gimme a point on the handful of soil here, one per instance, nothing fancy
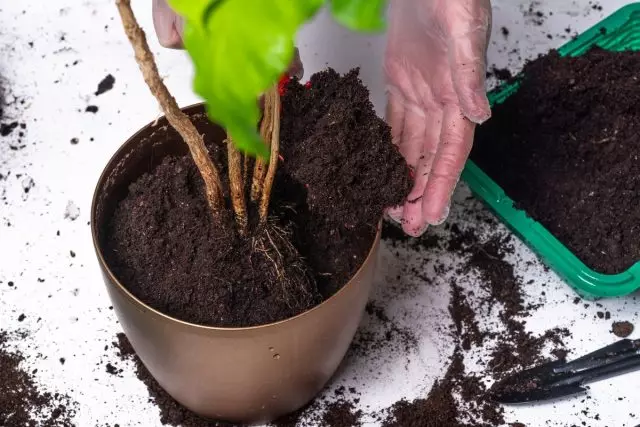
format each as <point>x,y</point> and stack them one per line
<point>565,148</point>
<point>338,171</point>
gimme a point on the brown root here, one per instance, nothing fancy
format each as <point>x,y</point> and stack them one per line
<point>274,96</point>
<point>246,167</point>
<point>266,132</point>
<point>236,186</point>
<point>175,116</point>
<point>290,275</point>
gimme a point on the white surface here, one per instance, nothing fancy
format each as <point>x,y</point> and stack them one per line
<point>68,313</point>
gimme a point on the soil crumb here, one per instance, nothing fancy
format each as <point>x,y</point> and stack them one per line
<point>22,402</point>
<point>338,171</point>
<point>564,148</point>
<point>105,85</point>
<point>7,128</point>
<point>502,73</point>
<point>622,329</point>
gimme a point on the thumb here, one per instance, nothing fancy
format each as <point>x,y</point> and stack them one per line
<point>168,25</point>
<point>468,31</point>
<point>296,68</point>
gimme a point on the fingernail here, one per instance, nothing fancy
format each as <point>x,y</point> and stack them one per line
<point>444,216</point>
<point>479,119</point>
<point>479,111</point>
<point>395,214</point>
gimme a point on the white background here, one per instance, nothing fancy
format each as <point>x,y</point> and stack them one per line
<point>67,314</point>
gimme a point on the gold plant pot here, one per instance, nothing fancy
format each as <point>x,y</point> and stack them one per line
<point>247,375</point>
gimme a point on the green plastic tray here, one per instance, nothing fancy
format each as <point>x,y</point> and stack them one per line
<point>622,33</point>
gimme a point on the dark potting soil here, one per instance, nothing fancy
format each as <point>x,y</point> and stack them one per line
<point>461,398</point>
<point>105,85</point>
<point>22,403</point>
<point>564,148</point>
<point>501,73</point>
<point>341,414</point>
<point>516,347</point>
<point>338,171</point>
<point>438,409</point>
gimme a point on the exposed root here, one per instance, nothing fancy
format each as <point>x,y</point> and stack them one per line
<point>175,116</point>
<point>246,167</point>
<point>289,272</point>
<point>274,97</point>
<point>236,187</point>
<point>267,127</point>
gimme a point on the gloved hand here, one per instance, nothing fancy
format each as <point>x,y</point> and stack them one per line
<point>169,26</point>
<point>435,66</point>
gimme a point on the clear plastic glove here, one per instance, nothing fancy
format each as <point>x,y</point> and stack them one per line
<point>169,27</point>
<point>435,66</point>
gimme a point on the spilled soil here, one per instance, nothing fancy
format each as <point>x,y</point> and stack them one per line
<point>564,148</point>
<point>462,398</point>
<point>22,402</point>
<point>338,171</point>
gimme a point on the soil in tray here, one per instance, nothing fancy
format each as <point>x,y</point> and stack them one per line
<point>337,173</point>
<point>565,148</point>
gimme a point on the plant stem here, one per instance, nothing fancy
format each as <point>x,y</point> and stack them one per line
<point>236,185</point>
<point>176,117</point>
<point>266,130</point>
<point>272,102</point>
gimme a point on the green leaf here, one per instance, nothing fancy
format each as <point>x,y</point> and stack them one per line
<point>360,15</point>
<point>192,9</point>
<point>239,49</point>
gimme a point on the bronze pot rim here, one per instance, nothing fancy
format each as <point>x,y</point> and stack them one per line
<point>99,252</point>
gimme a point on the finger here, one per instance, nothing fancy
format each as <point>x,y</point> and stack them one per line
<point>456,139</point>
<point>168,25</point>
<point>394,214</point>
<point>296,68</point>
<point>395,119</point>
<point>401,99</point>
<point>395,114</point>
<point>410,147</point>
<point>413,217</point>
<point>468,25</point>
<point>411,143</point>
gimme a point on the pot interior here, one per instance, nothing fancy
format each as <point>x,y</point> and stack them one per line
<point>142,153</point>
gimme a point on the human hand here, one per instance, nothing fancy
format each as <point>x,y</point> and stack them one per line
<point>169,26</point>
<point>435,65</point>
